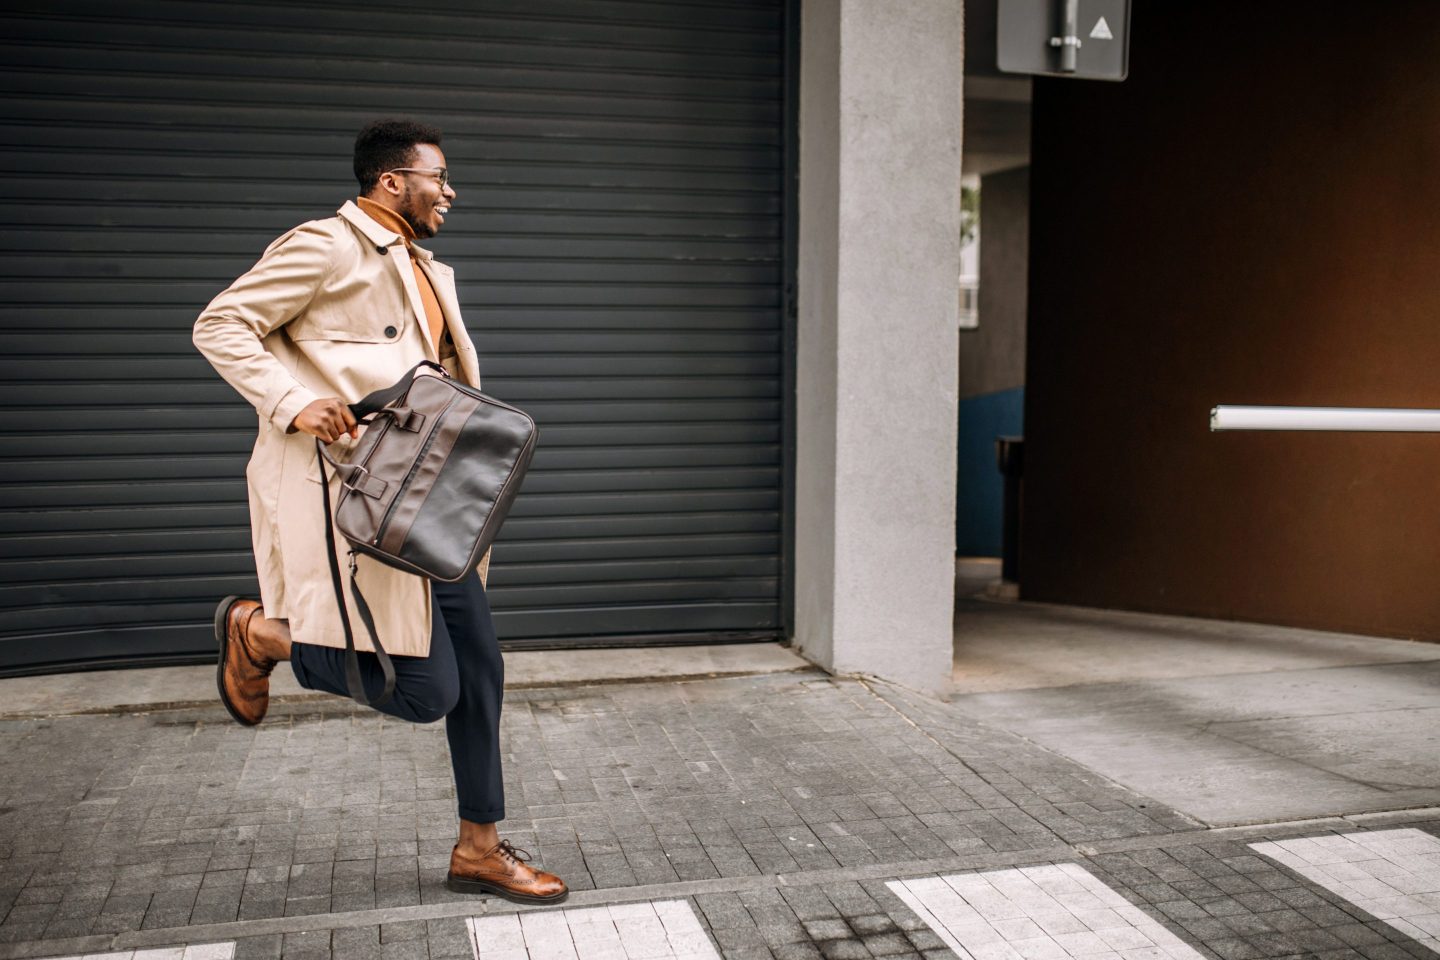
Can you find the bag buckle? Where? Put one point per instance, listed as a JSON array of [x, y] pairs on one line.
[[368, 484]]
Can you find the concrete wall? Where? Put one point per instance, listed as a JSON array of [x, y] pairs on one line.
[[992, 357], [880, 129], [1252, 217]]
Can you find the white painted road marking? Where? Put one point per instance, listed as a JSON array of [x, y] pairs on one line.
[[1049, 912], [651, 930], [1394, 875], [197, 951]]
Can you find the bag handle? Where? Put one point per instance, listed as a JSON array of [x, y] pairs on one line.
[[373, 402], [353, 681]]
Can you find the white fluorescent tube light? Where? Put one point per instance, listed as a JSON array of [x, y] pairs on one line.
[[1324, 418]]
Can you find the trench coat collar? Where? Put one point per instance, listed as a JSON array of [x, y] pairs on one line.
[[375, 233]]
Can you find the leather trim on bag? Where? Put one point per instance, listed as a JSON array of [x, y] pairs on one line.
[[417, 493]]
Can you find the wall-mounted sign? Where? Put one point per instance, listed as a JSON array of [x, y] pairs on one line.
[[1085, 39]]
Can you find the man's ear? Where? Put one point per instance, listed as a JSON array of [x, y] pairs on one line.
[[393, 188]]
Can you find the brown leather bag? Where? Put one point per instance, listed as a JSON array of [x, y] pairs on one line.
[[425, 489]]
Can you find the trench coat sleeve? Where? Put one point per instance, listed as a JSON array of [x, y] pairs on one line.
[[272, 293]]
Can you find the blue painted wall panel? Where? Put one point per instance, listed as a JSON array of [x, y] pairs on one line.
[[980, 490]]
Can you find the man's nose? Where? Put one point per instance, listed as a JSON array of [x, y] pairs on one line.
[[449, 191]]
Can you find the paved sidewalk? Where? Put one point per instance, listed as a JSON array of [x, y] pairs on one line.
[[785, 815], [1231, 722]]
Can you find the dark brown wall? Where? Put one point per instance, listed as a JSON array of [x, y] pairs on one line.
[[1252, 217]]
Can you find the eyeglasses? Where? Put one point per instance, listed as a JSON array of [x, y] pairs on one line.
[[439, 173]]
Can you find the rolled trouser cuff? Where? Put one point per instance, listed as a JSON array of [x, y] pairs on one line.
[[494, 815]]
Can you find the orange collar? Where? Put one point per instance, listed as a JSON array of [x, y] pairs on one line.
[[387, 218]]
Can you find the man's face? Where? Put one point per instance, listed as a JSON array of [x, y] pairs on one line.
[[423, 203]]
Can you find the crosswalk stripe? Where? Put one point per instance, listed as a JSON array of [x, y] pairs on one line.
[[195, 951], [660, 929], [1047, 912], [1393, 875]]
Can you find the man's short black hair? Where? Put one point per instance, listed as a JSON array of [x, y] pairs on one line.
[[386, 144]]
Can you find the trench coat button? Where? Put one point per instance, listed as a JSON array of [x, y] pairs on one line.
[[390, 331], [381, 250]]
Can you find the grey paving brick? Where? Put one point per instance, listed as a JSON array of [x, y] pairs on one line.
[[15, 932], [886, 944], [1224, 907], [45, 910], [866, 924], [306, 945], [850, 898], [95, 890], [1316, 940], [724, 910], [738, 938], [403, 930], [810, 903], [1325, 915], [843, 950], [448, 937], [924, 939], [60, 929], [1233, 949], [1248, 925], [360, 943], [1296, 896], [307, 906], [1394, 951], [795, 951], [118, 922], [405, 950], [1260, 901], [1285, 920], [218, 879], [748, 953], [221, 907], [829, 929]]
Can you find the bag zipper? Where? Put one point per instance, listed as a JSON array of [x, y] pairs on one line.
[[414, 468]]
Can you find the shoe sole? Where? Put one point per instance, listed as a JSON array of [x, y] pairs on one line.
[[466, 885], [222, 640]]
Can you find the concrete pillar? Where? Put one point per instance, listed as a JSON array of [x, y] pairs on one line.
[[879, 265]]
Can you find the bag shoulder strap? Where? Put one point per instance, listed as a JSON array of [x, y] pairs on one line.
[[353, 681], [373, 402]]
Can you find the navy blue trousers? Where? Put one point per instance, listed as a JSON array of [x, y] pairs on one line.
[[462, 680]]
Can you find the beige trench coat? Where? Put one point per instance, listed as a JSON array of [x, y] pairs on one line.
[[331, 310]]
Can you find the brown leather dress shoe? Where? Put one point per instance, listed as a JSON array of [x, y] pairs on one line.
[[505, 872], [243, 678]]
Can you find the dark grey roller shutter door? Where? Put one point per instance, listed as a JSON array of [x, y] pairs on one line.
[[617, 243]]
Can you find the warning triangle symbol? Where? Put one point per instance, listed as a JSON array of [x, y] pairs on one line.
[[1101, 31]]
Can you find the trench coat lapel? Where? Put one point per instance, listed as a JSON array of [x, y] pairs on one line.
[[442, 278], [400, 262]]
